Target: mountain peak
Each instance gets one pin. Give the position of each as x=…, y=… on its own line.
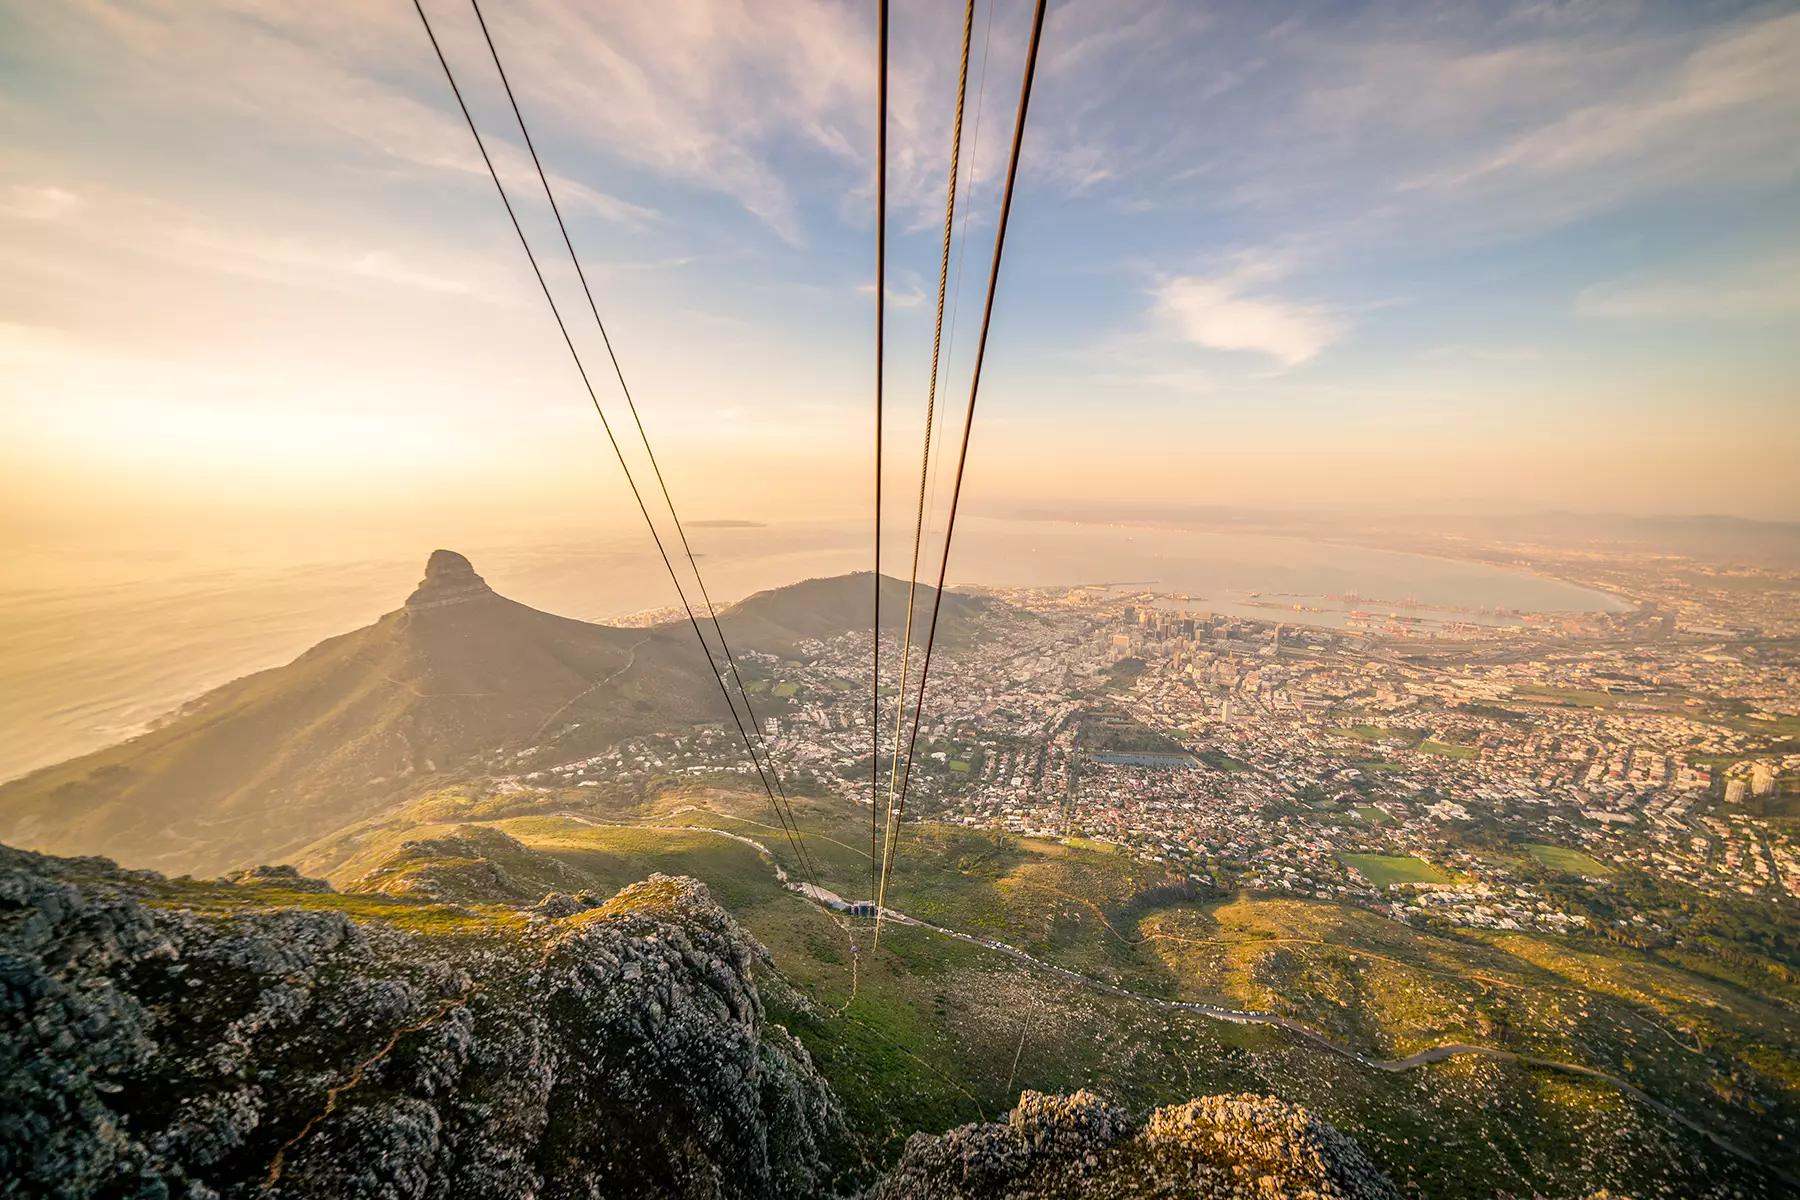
x=449, y=579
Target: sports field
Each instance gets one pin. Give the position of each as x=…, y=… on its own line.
x=1383, y=869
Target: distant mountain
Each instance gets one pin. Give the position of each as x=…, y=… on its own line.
x=777, y=621
x=449, y=683
x=275, y=759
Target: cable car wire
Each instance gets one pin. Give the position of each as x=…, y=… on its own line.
x=881, y=105
x=962, y=459
x=581, y=369
x=962, y=240
x=631, y=405
x=937, y=343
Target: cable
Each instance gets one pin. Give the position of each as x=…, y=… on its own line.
x=962, y=238
x=562, y=327
x=962, y=458
x=937, y=342
x=881, y=90
x=655, y=467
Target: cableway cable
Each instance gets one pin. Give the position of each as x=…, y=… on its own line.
x=937, y=343
x=581, y=369
x=631, y=405
x=962, y=240
x=987, y=317
x=881, y=106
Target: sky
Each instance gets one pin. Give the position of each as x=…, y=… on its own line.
x=1423, y=256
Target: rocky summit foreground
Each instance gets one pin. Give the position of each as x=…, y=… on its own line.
x=267, y=1036
x=159, y=1038
x=1218, y=1147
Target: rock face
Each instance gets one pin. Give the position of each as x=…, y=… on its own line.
x=475, y=864
x=449, y=579
x=179, y=1039
x=264, y=1036
x=1078, y=1146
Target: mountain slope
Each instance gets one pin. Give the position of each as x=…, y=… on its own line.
x=276, y=759
x=778, y=620
x=446, y=686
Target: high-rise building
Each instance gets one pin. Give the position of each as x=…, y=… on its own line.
x=1762, y=780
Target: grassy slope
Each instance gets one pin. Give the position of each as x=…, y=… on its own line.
x=931, y=1038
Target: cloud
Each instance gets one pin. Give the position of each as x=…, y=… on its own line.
x=912, y=297
x=106, y=226
x=1726, y=106
x=1473, y=352
x=1221, y=313
x=1755, y=292
x=38, y=203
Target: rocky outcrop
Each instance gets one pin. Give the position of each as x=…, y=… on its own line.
x=449, y=579
x=186, y=1039
x=473, y=864
x=1079, y=1146
x=286, y=876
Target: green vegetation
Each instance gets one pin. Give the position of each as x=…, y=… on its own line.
x=1383, y=869
x=931, y=1037
x=786, y=690
x=1574, y=862
x=1111, y=734
x=1218, y=760
x=1449, y=749
x=1371, y=814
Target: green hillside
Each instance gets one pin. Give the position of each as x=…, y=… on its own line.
x=939, y=1031
x=777, y=621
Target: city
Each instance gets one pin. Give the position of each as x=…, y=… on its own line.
x=1433, y=771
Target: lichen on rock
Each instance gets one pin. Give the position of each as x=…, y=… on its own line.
x=166, y=1038
x=1079, y=1146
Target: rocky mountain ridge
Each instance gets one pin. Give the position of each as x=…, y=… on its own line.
x=1214, y=1148
x=268, y=1036
x=215, y=1040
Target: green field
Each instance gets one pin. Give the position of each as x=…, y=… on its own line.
x=1450, y=750
x=1369, y=813
x=1558, y=858
x=1383, y=869
x=1378, y=733
x=786, y=690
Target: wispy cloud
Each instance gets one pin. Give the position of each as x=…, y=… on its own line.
x=1228, y=312
x=38, y=203
x=186, y=239
x=1724, y=109
x=1758, y=291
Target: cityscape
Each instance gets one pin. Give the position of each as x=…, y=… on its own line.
x=1441, y=774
